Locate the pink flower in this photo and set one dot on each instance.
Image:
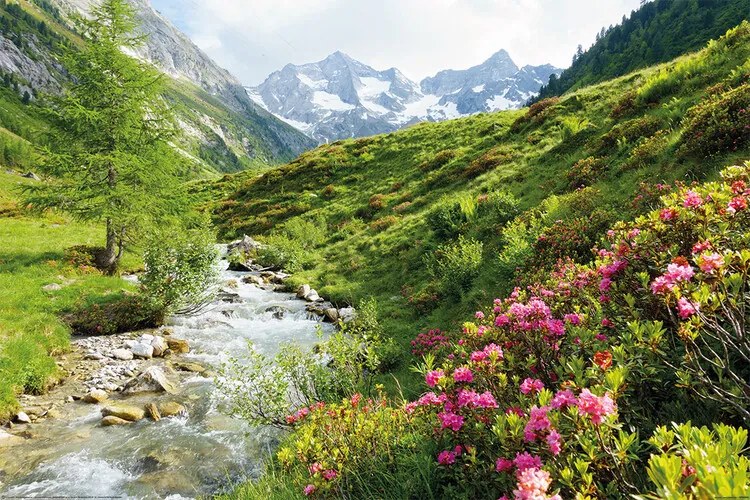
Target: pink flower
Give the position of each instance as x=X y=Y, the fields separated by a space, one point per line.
x=680 y=272
x=701 y=246
x=478 y=356
x=661 y=286
x=503 y=465
x=309 y=490
x=486 y=400
x=563 y=398
x=710 y=262
x=315 y=468
x=433 y=376
x=685 y=308
x=692 y=200
x=493 y=350
x=597 y=407
x=538 y=421
x=451 y=421
x=531 y=385
x=463 y=374
x=502 y=320
x=479 y=315
x=533 y=484
x=668 y=214
x=553 y=441
x=573 y=319
x=526 y=461
x=330 y=474
x=737 y=204
x=446 y=457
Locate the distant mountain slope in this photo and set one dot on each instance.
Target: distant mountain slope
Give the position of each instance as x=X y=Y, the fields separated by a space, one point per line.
x=657 y=32
x=340 y=97
x=224 y=130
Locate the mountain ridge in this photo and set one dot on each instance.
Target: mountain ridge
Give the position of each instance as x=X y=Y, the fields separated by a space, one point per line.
x=340 y=97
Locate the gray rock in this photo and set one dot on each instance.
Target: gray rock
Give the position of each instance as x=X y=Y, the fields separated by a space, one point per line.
x=252 y=279
x=145 y=351
x=347 y=314
x=32 y=176
x=8 y=439
x=23 y=418
x=96 y=396
x=331 y=314
x=160 y=346
x=303 y=291
x=52 y=287
x=152 y=379
x=313 y=296
x=123 y=354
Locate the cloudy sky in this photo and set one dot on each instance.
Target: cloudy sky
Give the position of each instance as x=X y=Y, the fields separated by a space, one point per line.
x=253 y=38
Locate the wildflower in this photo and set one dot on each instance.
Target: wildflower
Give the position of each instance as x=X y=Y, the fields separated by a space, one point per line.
x=533 y=484
x=478 y=356
x=356 y=399
x=330 y=474
x=463 y=374
x=446 y=457
x=493 y=350
x=738 y=187
x=563 y=398
x=553 y=441
x=668 y=214
x=600 y=337
x=486 y=400
x=309 y=490
x=531 y=385
x=701 y=247
x=451 y=421
x=603 y=359
x=737 y=204
x=710 y=262
x=573 y=319
x=315 y=468
x=526 y=461
x=692 y=200
x=685 y=308
x=503 y=465
x=502 y=320
x=538 y=421
x=479 y=315
x=432 y=377
x=597 y=407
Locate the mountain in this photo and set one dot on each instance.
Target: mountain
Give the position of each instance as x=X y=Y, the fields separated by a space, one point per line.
x=224 y=129
x=340 y=97
x=658 y=31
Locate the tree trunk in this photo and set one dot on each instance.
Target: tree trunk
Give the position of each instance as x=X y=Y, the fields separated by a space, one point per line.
x=109 y=257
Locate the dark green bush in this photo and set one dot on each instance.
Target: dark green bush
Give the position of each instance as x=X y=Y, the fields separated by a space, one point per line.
x=442 y=158
x=585 y=172
x=118 y=314
x=446 y=220
x=497 y=208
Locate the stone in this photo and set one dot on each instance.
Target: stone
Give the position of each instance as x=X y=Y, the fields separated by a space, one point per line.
x=146 y=338
x=313 y=296
x=152 y=379
x=187 y=366
x=143 y=351
x=160 y=346
x=331 y=314
x=111 y=420
x=278 y=312
x=54 y=413
x=130 y=343
x=153 y=412
x=171 y=409
x=252 y=279
x=32 y=176
x=347 y=314
x=125 y=412
x=303 y=291
x=96 y=396
x=8 y=439
x=178 y=345
x=52 y=287
x=123 y=354
x=23 y=418
x=95 y=356
x=246 y=244
x=232 y=284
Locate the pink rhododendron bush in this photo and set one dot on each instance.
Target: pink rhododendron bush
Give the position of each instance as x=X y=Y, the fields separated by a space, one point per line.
x=569 y=387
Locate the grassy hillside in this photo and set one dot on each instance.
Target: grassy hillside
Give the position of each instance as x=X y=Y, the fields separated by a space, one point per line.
x=657 y=32
x=33 y=254
x=401 y=216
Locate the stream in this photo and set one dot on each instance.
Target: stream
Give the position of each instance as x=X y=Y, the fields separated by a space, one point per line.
x=200 y=453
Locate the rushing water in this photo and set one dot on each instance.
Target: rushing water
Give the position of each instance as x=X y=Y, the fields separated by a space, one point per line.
x=197 y=454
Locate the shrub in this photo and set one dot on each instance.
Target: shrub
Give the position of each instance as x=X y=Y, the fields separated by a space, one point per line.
x=629 y=132
x=439 y=160
x=648 y=150
x=718 y=124
x=377 y=201
x=402 y=207
x=488 y=161
x=290 y=246
x=82 y=257
x=117 y=314
x=497 y=208
x=537 y=113
x=456 y=265
x=329 y=191
x=383 y=223
x=180 y=270
x=585 y=172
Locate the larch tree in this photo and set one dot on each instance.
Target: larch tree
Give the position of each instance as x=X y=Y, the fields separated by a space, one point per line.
x=109 y=160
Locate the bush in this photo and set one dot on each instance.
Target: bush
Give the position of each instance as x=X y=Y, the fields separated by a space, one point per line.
x=629 y=132
x=649 y=150
x=377 y=201
x=118 y=314
x=456 y=265
x=585 y=172
x=383 y=223
x=180 y=270
x=290 y=247
x=488 y=161
x=497 y=208
x=82 y=257
x=718 y=124
x=440 y=159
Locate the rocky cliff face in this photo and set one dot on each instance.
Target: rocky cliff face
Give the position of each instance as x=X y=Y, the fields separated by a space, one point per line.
x=340 y=97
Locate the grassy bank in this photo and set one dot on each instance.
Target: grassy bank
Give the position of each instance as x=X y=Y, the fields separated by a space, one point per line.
x=32 y=256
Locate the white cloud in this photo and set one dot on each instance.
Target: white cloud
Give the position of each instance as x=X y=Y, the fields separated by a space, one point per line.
x=255 y=37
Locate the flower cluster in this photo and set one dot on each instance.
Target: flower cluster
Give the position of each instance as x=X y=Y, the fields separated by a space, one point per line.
x=431 y=341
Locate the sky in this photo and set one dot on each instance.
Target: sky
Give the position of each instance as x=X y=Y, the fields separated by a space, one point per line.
x=253 y=38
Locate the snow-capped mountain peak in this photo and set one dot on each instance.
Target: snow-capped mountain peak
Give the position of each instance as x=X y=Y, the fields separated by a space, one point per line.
x=341 y=97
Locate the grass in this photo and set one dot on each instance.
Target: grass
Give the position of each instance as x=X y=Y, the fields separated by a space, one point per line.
x=371 y=196
x=32 y=256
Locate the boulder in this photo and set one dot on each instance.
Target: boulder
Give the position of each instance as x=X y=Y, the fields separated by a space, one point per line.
x=331 y=314
x=32 y=176
x=22 y=418
x=52 y=287
x=96 y=396
x=111 y=420
x=152 y=379
x=246 y=245
x=124 y=412
x=303 y=291
x=347 y=314
x=122 y=354
x=153 y=412
x=252 y=279
x=145 y=351
x=187 y=366
x=171 y=409
x=278 y=312
x=313 y=296
x=160 y=346
x=8 y=439
x=178 y=345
